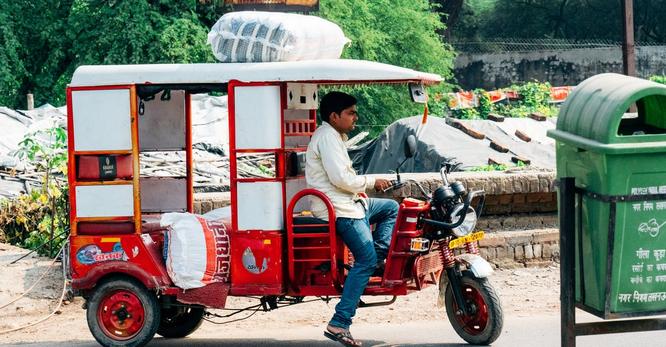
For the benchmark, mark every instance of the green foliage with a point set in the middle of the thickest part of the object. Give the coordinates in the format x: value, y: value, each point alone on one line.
x: 659, y: 79
x: 535, y: 97
x: 465, y: 113
x: 490, y: 167
x: 13, y: 72
x: 497, y: 167
x: 399, y: 32
x: 485, y: 105
x: 42, y: 53
x: 534, y: 93
x: 567, y: 19
x: 31, y: 219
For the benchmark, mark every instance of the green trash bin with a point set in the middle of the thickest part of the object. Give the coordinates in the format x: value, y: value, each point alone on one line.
x: 618, y: 162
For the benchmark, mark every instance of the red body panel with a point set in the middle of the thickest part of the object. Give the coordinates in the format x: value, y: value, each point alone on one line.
x: 256, y: 263
x: 92, y: 167
x: 93, y: 257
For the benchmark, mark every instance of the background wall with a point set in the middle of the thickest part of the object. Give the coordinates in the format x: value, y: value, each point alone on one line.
x: 559, y: 67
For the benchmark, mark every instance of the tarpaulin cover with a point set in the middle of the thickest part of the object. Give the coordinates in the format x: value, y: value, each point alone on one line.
x: 440, y: 143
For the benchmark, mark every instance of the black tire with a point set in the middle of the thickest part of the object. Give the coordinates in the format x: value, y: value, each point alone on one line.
x: 484, y: 325
x: 122, y: 312
x: 180, y: 321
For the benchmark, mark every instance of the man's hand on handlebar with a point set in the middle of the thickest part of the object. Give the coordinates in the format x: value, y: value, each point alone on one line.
x: 382, y: 184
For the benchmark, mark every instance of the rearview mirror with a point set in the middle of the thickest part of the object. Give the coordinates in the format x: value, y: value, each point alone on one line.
x: 418, y: 93
x: 410, y: 146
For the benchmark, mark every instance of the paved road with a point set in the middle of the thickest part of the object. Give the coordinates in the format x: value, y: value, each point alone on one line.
x: 541, y: 331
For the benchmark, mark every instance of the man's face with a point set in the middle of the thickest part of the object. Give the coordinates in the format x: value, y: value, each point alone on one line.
x: 345, y: 121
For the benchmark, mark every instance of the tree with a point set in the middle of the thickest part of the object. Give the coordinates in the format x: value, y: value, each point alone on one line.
x: 451, y: 11
x: 561, y: 19
x: 399, y: 32
x: 12, y: 71
x: 42, y: 54
x: 28, y: 47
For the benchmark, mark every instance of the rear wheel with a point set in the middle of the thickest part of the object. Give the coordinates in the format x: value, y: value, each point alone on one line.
x: 483, y: 324
x: 122, y: 312
x: 180, y: 321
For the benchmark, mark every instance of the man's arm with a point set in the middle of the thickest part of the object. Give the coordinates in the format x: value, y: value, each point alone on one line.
x: 335, y: 161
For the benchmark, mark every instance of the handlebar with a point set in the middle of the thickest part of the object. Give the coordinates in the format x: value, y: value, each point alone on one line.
x: 456, y: 224
x: 395, y: 184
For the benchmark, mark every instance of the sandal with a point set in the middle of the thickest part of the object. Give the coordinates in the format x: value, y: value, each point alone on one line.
x: 344, y: 337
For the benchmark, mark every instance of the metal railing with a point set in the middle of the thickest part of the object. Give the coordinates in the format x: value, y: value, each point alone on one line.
x: 501, y: 45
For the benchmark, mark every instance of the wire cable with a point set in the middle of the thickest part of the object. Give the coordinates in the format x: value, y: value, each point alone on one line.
x: 62, y: 297
x: 233, y: 320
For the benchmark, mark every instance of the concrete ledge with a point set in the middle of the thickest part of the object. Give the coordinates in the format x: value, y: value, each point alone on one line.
x: 506, y: 192
x: 514, y: 200
x: 510, y: 249
x: 204, y: 202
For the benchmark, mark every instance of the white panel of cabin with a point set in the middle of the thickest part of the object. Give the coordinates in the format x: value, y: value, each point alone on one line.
x: 162, y: 124
x: 302, y: 96
x: 102, y: 120
x: 260, y: 206
x: 257, y: 117
x: 294, y: 186
x: 105, y: 201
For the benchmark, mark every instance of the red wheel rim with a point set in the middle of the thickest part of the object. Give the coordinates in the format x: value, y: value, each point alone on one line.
x: 476, y: 322
x: 120, y: 314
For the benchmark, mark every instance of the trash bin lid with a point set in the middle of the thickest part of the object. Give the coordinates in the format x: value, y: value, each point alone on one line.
x: 594, y: 115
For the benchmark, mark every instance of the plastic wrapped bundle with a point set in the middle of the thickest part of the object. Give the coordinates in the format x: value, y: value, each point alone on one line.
x: 248, y: 36
x: 198, y: 250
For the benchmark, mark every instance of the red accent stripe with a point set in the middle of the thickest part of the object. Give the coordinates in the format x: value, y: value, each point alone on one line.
x: 71, y: 168
x: 210, y: 251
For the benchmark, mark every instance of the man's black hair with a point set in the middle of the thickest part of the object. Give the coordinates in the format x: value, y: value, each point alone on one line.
x: 335, y: 102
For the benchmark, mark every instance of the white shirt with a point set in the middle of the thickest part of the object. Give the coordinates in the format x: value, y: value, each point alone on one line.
x: 329, y: 170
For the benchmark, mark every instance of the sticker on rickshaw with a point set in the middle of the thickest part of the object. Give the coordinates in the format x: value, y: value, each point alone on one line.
x: 250, y: 262
x: 459, y: 242
x: 90, y: 254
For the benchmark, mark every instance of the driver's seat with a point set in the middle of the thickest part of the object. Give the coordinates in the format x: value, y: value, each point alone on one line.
x: 313, y: 248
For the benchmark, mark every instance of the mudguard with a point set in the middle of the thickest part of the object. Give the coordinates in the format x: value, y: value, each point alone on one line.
x: 476, y: 264
x: 479, y: 267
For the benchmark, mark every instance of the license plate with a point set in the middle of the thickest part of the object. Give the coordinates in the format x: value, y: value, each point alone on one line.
x: 459, y: 242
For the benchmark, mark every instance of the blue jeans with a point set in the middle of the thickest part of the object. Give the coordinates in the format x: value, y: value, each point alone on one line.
x: 369, y: 249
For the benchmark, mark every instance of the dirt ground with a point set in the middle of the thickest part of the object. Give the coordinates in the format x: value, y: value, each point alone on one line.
x: 523, y: 291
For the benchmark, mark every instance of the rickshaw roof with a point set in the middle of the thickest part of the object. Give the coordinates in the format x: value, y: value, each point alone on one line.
x: 331, y: 71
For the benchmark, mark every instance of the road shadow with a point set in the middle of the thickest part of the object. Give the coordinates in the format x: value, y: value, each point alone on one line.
x: 215, y: 342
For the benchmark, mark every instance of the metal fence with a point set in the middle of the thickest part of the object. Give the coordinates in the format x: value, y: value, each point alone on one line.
x: 500, y: 45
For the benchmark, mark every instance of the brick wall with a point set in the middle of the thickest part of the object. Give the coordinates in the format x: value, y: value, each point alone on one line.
x: 520, y: 217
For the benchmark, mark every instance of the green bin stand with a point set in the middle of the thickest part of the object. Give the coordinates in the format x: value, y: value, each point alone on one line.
x: 620, y: 163
x: 618, y: 221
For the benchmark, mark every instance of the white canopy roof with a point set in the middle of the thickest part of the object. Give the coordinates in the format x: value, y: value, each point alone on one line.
x: 317, y: 71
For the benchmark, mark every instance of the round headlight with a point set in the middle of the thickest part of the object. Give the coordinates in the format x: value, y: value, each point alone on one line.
x: 468, y: 225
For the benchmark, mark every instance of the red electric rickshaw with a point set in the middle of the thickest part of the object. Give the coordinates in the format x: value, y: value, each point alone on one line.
x: 271, y: 247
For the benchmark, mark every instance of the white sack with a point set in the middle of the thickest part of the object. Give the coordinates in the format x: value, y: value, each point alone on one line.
x: 252, y: 36
x: 198, y: 250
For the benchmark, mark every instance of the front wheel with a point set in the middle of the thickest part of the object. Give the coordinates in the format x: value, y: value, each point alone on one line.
x: 483, y: 324
x: 180, y: 321
x: 122, y: 312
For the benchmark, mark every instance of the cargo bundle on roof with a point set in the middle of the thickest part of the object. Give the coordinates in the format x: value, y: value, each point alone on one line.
x: 254, y: 37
